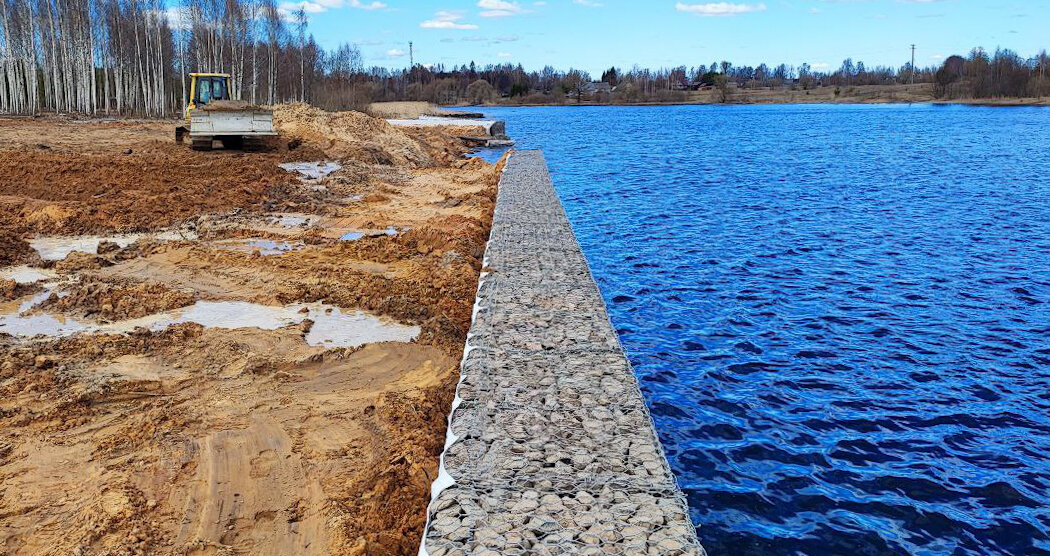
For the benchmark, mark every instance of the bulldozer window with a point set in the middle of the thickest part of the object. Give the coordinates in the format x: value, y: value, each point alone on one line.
x: 218, y: 90
x: 211, y: 88
x: 204, y: 93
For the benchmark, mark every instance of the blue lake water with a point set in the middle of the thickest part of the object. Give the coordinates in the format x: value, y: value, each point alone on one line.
x: 839, y: 315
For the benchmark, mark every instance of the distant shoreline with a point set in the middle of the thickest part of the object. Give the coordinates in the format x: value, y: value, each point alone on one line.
x: 921, y: 93
x: 1007, y: 102
x: 1001, y: 103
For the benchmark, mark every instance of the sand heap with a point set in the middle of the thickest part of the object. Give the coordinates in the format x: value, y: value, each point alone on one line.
x: 351, y: 135
x: 404, y: 109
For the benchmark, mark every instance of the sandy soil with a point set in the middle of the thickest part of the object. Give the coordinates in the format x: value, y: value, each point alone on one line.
x: 408, y: 110
x: 201, y: 440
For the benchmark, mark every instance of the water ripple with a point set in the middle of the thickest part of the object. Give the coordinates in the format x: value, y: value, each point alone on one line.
x: 838, y: 314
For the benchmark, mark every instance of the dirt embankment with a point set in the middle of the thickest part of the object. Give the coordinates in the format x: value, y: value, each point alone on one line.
x: 209, y: 440
x: 14, y: 249
x: 363, y: 138
x: 409, y: 110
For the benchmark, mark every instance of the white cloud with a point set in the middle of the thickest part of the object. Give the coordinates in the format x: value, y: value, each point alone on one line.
x: 395, y: 53
x: 321, y: 4
x: 369, y: 6
x: 588, y: 3
x: 448, y: 20
x: 504, y: 55
x: 499, y: 8
x: 715, y: 9
x: 288, y: 9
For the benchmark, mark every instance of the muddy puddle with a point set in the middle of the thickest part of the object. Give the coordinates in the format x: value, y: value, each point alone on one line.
x: 56, y: 248
x: 17, y: 318
x: 312, y: 171
x: 361, y: 234
x: 26, y: 274
x: 263, y: 246
x: 332, y: 327
x: 292, y: 220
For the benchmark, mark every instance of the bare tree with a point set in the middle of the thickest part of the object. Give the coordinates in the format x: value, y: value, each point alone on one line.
x: 300, y: 23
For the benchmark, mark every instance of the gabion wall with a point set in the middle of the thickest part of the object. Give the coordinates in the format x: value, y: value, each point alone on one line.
x: 550, y: 447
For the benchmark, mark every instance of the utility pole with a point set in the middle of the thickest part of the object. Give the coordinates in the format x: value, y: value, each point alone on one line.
x: 411, y: 57
x: 912, y: 78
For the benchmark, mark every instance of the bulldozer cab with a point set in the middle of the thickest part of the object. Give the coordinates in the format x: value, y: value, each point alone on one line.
x: 211, y: 114
x: 206, y: 88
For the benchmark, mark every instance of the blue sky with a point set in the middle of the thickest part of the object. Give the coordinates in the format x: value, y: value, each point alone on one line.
x: 595, y: 34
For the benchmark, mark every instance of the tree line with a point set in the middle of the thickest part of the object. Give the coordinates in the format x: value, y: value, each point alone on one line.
x: 132, y: 57
x: 1003, y: 74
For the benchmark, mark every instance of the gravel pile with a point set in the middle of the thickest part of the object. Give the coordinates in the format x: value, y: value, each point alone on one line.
x: 551, y: 449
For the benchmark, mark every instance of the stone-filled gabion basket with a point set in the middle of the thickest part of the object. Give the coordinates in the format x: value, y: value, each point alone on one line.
x: 548, y: 380
x: 540, y: 331
x: 510, y: 294
x: 597, y: 444
x: 598, y: 520
x: 550, y: 449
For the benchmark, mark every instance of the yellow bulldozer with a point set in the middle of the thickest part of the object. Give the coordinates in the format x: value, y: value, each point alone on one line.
x: 212, y: 115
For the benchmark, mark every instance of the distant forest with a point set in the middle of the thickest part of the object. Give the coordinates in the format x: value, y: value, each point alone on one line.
x: 981, y: 75
x: 131, y: 57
